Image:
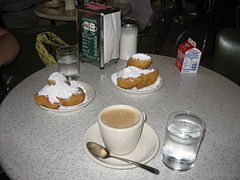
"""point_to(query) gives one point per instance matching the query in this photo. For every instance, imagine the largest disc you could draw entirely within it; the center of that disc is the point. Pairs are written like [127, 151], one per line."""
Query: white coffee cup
[121, 128]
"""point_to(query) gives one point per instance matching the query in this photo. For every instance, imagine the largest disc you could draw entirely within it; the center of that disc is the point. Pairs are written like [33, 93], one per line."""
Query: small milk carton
[188, 57]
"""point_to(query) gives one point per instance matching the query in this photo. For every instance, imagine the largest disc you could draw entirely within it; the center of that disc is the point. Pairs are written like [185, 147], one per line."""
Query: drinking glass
[183, 136]
[68, 61]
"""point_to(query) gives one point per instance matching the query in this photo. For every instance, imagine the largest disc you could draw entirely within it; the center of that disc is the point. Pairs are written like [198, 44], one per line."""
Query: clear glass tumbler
[68, 61]
[183, 136]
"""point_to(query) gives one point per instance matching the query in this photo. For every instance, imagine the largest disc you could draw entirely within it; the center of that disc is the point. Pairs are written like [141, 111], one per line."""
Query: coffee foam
[120, 117]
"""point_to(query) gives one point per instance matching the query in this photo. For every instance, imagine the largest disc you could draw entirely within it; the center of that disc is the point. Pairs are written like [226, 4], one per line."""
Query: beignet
[59, 92]
[131, 77]
[139, 60]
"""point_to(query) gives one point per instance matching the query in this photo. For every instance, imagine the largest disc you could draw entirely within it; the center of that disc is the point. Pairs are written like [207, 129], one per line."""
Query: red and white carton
[188, 57]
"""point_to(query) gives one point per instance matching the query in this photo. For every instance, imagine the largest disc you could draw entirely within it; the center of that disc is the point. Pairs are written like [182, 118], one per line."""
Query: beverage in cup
[121, 127]
[183, 136]
[68, 61]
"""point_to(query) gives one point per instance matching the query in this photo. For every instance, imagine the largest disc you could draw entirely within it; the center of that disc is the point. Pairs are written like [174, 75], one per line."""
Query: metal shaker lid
[129, 23]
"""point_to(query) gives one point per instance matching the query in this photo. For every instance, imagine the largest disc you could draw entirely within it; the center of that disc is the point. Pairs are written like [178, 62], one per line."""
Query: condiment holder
[99, 31]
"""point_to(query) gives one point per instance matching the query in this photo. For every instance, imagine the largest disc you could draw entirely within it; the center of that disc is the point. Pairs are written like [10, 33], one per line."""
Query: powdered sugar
[157, 85]
[61, 90]
[132, 72]
[141, 56]
[89, 95]
[76, 84]
[57, 77]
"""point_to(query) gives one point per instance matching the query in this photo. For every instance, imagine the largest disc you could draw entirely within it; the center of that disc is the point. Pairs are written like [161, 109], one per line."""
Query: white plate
[89, 95]
[145, 150]
[149, 89]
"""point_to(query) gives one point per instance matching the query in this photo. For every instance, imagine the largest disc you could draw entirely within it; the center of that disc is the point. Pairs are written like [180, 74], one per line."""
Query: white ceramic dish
[89, 95]
[146, 149]
[149, 89]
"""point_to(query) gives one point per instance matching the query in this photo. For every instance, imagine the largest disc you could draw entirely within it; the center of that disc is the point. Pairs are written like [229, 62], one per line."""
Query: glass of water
[183, 136]
[68, 61]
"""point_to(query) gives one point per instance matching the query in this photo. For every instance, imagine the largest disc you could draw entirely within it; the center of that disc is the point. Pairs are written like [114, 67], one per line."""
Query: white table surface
[37, 144]
[60, 14]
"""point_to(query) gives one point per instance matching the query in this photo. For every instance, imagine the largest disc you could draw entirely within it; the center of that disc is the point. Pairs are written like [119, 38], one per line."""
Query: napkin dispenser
[99, 34]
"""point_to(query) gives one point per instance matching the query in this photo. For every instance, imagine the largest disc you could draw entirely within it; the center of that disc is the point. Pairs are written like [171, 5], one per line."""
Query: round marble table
[56, 14]
[38, 144]
[44, 10]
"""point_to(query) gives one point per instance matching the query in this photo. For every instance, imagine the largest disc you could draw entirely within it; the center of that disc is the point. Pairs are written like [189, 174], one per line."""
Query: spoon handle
[146, 167]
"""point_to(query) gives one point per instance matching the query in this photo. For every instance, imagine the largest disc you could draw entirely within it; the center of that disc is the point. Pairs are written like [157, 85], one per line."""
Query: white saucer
[89, 95]
[146, 149]
[149, 89]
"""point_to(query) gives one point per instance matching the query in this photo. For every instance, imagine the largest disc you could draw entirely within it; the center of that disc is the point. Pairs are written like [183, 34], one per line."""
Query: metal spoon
[101, 152]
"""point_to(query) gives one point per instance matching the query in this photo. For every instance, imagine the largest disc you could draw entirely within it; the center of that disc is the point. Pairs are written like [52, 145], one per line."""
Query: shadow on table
[3, 176]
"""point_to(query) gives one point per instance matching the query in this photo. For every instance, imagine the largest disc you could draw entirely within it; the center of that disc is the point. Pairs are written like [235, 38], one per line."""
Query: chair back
[151, 39]
[198, 33]
[227, 54]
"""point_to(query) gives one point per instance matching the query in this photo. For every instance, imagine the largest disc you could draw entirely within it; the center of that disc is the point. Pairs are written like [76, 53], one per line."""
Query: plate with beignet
[62, 95]
[136, 80]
